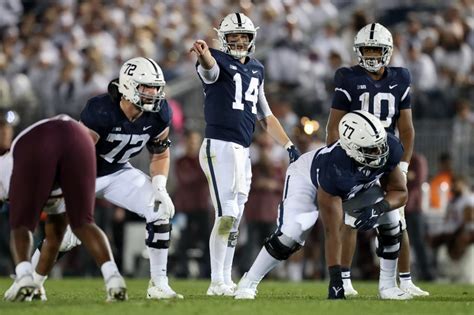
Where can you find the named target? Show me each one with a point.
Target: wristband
(288, 144)
(403, 166)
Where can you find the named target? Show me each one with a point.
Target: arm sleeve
(341, 99)
(209, 76)
(263, 109)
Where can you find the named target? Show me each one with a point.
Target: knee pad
(280, 246)
(224, 225)
(158, 234)
(389, 239)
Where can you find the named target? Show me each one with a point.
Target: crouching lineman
(333, 174)
(54, 153)
(134, 114)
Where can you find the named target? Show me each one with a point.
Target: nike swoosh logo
(392, 86)
(254, 71)
(146, 128)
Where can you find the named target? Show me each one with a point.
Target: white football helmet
(374, 35)
(138, 72)
(236, 23)
(364, 138)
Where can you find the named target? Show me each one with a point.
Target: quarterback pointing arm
(233, 84)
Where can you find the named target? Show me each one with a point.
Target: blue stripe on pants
(213, 177)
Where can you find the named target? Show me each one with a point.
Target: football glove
(293, 153)
(369, 216)
(166, 206)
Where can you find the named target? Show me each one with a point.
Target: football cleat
(39, 294)
(161, 290)
(116, 288)
(410, 288)
(349, 289)
(21, 290)
(232, 285)
(246, 290)
(394, 294)
(220, 289)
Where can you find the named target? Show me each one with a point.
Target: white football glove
(166, 207)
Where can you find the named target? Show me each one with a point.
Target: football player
(331, 175)
(233, 85)
(64, 158)
(384, 91)
(134, 114)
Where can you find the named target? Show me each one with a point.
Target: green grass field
(87, 296)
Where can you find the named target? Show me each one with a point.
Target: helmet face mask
(142, 83)
(231, 25)
(373, 36)
(364, 139)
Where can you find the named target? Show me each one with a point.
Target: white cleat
(116, 288)
(21, 289)
(394, 294)
(161, 290)
(349, 289)
(39, 294)
(220, 289)
(246, 290)
(410, 288)
(232, 285)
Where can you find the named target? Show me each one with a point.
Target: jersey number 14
(251, 94)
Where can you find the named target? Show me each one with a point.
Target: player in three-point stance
(332, 175)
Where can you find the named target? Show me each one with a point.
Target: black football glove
(336, 288)
(293, 153)
(369, 216)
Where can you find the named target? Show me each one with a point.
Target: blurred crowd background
(54, 55)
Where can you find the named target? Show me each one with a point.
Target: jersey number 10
(251, 94)
(377, 110)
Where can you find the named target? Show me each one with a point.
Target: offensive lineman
(134, 114)
(331, 175)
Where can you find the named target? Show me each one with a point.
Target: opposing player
(135, 114)
(54, 153)
(331, 175)
(384, 91)
(233, 85)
